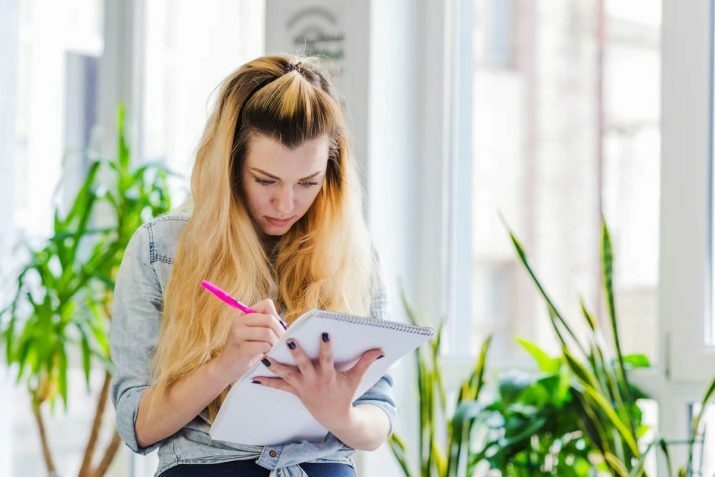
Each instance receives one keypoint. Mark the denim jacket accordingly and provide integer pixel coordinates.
(136, 317)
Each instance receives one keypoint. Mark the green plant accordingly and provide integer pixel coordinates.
(580, 411)
(605, 400)
(531, 424)
(64, 290)
(436, 427)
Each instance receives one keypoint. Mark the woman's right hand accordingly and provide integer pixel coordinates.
(250, 338)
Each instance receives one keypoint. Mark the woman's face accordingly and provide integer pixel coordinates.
(281, 183)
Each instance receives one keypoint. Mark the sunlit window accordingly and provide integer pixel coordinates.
(189, 49)
(560, 137)
(59, 46)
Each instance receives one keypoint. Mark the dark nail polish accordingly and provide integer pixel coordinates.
(266, 362)
(255, 381)
(325, 337)
(291, 345)
(284, 324)
(381, 356)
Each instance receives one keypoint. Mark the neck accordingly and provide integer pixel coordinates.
(269, 243)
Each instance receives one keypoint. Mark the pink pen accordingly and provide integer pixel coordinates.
(226, 298)
(231, 301)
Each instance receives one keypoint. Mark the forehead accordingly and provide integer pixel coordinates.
(272, 156)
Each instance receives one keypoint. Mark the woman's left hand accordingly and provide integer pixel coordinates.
(326, 392)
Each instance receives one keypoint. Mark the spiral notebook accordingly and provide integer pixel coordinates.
(258, 415)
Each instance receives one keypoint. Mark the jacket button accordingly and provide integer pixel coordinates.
(273, 453)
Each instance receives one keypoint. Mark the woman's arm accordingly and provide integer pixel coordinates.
(366, 428)
(250, 337)
(184, 401)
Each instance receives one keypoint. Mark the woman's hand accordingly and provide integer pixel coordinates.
(326, 392)
(250, 337)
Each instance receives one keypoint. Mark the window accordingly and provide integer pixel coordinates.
(559, 137)
(59, 47)
(51, 53)
(188, 50)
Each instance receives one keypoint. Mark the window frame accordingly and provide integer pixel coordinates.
(685, 268)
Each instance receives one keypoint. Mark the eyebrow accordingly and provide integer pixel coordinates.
(278, 178)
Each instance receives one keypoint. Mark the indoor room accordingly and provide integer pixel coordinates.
(357, 238)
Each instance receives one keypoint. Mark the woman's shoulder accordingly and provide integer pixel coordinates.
(160, 235)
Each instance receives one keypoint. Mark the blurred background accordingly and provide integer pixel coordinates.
(552, 114)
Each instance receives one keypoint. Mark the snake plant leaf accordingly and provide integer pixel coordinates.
(399, 450)
(616, 465)
(639, 468)
(663, 445)
(591, 422)
(590, 319)
(585, 376)
(607, 265)
(438, 459)
(695, 425)
(554, 314)
(616, 421)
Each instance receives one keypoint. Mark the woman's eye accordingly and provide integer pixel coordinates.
(309, 184)
(264, 181)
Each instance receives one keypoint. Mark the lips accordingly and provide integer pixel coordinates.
(273, 221)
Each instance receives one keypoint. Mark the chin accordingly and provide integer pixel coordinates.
(276, 231)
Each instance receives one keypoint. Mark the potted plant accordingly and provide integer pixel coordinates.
(607, 402)
(444, 442)
(61, 306)
(578, 416)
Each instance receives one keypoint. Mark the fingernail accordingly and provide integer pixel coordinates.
(291, 344)
(381, 356)
(255, 381)
(284, 324)
(266, 362)
(326, 338)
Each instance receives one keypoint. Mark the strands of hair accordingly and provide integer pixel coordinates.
(324, 261)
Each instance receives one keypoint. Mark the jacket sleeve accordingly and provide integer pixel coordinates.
(381, 393)
(136, 316)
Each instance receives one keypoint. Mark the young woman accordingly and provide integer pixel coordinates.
(275, 220)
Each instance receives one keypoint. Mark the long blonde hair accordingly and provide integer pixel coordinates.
(324, 261)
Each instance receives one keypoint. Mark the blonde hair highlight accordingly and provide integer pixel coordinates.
(324, 261)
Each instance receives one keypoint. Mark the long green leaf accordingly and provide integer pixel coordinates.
(557, 317)
(664, 448)
(399, 450)
(695, 426)
(607, 263)
(607, 409)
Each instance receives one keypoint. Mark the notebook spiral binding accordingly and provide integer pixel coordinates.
(390, 325)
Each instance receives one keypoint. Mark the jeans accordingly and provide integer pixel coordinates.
(248, 468)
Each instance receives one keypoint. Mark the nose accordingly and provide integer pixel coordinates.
(283, 201)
